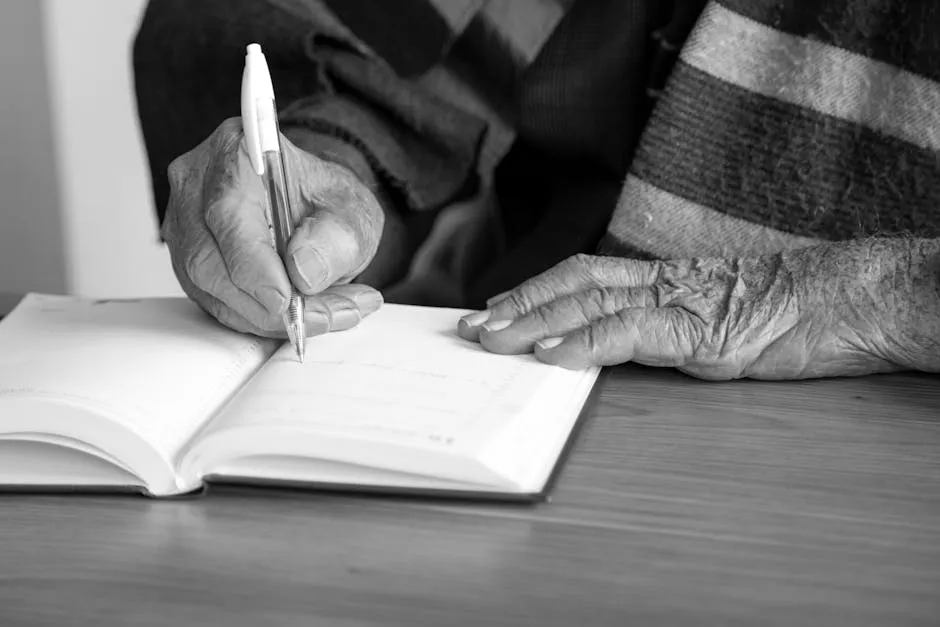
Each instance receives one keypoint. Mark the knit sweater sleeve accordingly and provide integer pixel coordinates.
(188, 59)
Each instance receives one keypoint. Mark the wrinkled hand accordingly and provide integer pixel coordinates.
(222, 248)
(815, 312)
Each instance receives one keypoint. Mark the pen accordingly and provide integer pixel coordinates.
(263, 143)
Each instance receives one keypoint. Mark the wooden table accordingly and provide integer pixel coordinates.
(683, 503)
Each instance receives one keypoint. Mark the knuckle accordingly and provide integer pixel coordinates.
(571, 267)
(357, 209)
(656, 269)
(236, 250)
(241, 269)
(583, 269)
(323, 224)
(602, 299)
(637, 272)
(208, 304)
(580, 260)
(230, 126)
(581, 308)
(178, 263)
(544, 316)
(591, 304)
(199, 266)
(518, 303)
(178, 171)
(594, 341)
(667, 294)
(218, 218)
(226, 137)
(345, 225)
(353, 245)
(168, 228)
(199, 297)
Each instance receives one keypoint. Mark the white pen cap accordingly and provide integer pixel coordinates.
(259, 114)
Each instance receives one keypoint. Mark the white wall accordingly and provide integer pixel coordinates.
(108, 220)
(32, 255)
(76, 212)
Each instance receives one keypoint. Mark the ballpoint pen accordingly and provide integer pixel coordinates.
(263, 143)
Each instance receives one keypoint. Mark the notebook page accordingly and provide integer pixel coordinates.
(160, 366)
(403, 375)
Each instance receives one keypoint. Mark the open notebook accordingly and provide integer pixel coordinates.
(153, 395)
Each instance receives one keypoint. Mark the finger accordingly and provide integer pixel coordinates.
(339, 308)
(206, 269)
(492, 300)
(573, 275)
(667, 336)
(367, 299)
(336, 309)
(561, 317)
(239, 227)
(271, 326)
(233, 320)
(323, 250)
(221, 312)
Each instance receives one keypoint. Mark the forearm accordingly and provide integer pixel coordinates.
(885, 294)
(916, 326)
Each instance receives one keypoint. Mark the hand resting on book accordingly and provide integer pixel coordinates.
(835, 309)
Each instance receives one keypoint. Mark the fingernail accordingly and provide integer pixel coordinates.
(497, 325)
(312, 269)
(549, 342)
(492, 300)
(369, 300)
(477, 318)
(271, 299)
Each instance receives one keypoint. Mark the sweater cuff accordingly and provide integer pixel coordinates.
(335, 150)
(425, 172)
(421, 148)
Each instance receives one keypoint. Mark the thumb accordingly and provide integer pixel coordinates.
(323, 251)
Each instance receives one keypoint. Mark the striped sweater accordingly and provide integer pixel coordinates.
(787, 123)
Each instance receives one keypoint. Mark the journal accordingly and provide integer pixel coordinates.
(153, 395)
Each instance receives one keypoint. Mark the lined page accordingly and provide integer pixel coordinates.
(402, 374)
(160, 366)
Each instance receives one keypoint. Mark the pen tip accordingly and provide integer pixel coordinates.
(295, 333)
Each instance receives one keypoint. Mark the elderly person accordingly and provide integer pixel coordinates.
(762, 177)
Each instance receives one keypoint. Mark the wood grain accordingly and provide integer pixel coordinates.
(683, 502)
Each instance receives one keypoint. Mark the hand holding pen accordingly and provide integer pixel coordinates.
(218, 233)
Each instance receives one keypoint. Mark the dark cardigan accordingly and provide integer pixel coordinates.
(554, 104)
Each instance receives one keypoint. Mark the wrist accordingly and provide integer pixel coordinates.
(915, 337)
(884, 294)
